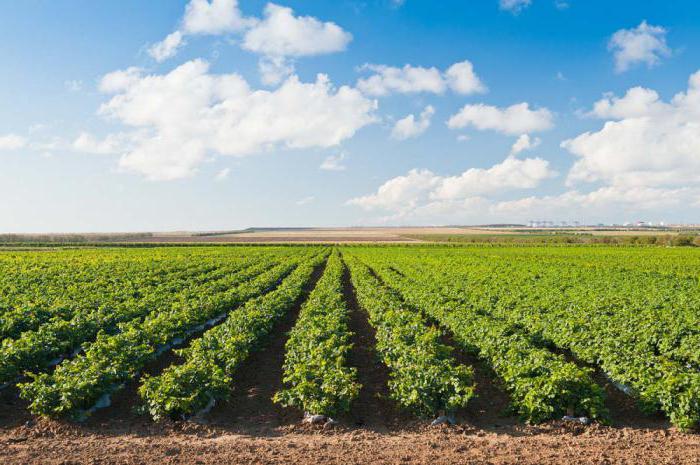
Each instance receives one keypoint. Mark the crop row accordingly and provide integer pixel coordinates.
(211, 361)
(542, 385)
(624, 340)
(36, 350)
(317, 377)
(113, 359)
(423, 376)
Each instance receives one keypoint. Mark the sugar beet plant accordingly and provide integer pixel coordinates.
(77, 384)
(36, 350)
(211, 361)
(542, 385)
(424, 378)
(317, 377)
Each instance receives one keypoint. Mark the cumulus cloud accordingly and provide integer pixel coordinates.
(281, 34)
(281, 37)
(525, 142)
(182, 116)
(274, 70)
(112, 144)
(401, 192)
(637, 102)
(644, 142)
(119, 80)
(214, 17)
(460, 78)
(422, 188)
(644, 160)
(513, 120)
(514, 6)
(614, 201)
(12, 142)
(333, 163)
(410, 126)
(166, 48)
(643, 44)
(202, 17)
(409, 79)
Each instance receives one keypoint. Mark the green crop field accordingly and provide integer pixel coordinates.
(551, 324)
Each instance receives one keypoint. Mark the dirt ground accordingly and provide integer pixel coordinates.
(248, 436)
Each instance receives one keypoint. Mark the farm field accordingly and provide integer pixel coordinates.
(347, 354)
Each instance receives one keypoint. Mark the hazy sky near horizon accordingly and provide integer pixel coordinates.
(157, 115)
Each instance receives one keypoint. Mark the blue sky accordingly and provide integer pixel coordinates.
(450, 112)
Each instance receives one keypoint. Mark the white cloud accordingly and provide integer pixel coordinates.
(274, 70)
(182, 116)
(214, 17)
(305, 200)
(515, 119)
(281, 34)
(511, 173)
(645, 161)
(167, 48)
(646, 142)
(409, 126)
(12, 142)
(561, 5)
(525, 142)
(422, 188)
(117, 81)
(112, 144)
(401, 192)
(223, 174)
(643, 44)
(637, 102)
(333, 163)
(607, 204)
(280, 37)
(409, 79)
(514, 6)
(202, 17)
(460, 77)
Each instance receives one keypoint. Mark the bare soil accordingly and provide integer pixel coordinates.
(251, 429)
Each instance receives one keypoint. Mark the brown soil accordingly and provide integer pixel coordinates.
(53, 443)
(263, 239)
(373, 409)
